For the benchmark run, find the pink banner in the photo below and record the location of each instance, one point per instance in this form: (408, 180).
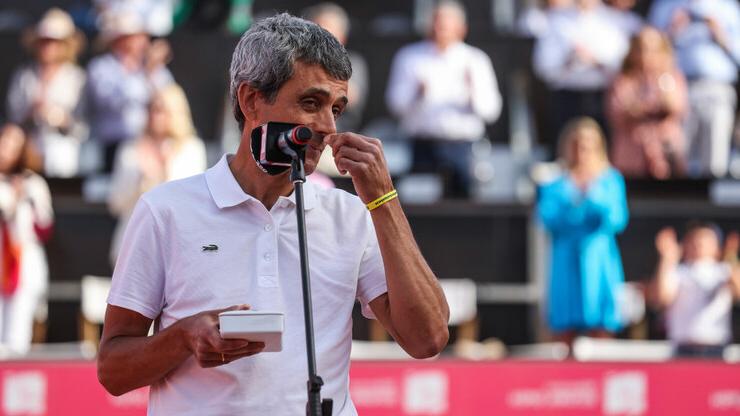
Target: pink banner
(442, 387)
(545, 388)
(62, 389)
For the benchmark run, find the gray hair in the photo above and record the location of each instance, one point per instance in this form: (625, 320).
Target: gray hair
(265, 55)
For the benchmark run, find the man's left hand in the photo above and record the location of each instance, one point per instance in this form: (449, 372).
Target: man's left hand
(362, 157)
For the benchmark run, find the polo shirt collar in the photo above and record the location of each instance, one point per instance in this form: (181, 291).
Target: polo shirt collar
(222, 184)
(309, 196)
(226, 191)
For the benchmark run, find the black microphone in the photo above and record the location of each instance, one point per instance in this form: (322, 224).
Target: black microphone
(294, 141)
(275, 145)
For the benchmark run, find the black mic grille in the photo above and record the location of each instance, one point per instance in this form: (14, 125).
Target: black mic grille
(301, 135)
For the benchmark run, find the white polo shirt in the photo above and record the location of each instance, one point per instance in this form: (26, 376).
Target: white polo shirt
(461, 92)
(163, 271)
(702, 311)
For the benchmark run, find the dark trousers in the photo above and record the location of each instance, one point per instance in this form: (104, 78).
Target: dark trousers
(565, 105)
(451, 159)
(109, 156)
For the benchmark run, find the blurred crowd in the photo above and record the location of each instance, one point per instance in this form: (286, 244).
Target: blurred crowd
(696, 281)
(629, 96)
(664, 88)
(633, 97)
(124, 115)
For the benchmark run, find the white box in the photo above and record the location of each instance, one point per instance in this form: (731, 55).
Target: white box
(258, 326)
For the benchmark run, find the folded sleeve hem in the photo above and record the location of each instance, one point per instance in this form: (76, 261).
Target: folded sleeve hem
(369, 296)
(132, 304)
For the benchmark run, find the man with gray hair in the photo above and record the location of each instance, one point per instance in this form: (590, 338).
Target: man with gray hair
(228, 237)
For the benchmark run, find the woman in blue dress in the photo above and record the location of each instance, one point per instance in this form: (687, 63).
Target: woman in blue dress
(583, 211)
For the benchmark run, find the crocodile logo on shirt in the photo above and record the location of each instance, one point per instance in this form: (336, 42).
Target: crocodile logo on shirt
(210, 247)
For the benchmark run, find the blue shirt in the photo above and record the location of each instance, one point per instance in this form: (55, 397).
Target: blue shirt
(699, 55)
(117, 101)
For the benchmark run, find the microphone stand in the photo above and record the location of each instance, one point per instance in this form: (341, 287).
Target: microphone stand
(315, 406)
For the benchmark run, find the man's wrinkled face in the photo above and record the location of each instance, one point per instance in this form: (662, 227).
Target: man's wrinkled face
(311, 97)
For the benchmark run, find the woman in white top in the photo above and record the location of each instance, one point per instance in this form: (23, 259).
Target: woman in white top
(697, 288)
(168, 150)
(43, 95)
(26, 218)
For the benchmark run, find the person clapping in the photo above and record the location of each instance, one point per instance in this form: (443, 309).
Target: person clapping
(584, 210)
(43, 94)
(696, 287)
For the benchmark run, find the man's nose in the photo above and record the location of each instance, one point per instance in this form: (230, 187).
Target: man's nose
(324, 124)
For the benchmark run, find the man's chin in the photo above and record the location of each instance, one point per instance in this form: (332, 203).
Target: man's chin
(312, 160)
(310, 166)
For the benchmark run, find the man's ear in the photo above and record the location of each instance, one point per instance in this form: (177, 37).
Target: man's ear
(247, 97)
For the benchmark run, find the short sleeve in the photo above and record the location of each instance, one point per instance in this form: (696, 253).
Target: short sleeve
(371, 282)
(138, 278)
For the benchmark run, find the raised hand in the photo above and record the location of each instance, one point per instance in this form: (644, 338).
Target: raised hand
(731, 248)
(583, 55)
(734, 281)
(206, 344)
(667, 245)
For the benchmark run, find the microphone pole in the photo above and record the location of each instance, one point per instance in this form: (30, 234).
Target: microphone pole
(315, 406)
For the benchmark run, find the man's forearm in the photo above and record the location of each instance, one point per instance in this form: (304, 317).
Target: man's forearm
(126, 363)
(735, 281)
(417, 307)
(665, 286)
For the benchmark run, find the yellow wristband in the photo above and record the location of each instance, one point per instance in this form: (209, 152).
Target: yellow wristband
(382, 200)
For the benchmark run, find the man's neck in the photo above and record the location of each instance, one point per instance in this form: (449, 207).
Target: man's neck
(267, 189)
(443, 46)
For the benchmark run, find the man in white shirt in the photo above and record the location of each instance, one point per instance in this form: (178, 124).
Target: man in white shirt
(195, 246)
(697, 289)
(577, 58)
(444, 92)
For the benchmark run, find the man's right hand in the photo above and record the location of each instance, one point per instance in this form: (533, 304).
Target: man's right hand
(667, 245)
(209, 349)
